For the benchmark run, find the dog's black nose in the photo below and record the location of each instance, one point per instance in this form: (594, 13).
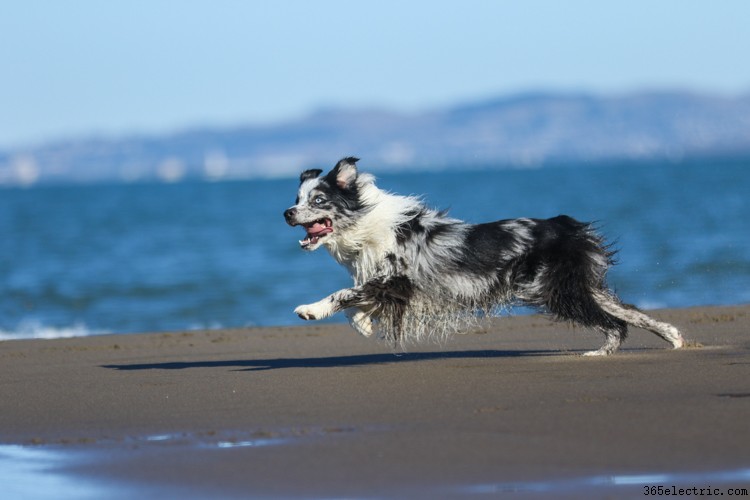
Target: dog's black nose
(289, 215)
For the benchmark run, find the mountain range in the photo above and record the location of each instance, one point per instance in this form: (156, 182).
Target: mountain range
(523, 130)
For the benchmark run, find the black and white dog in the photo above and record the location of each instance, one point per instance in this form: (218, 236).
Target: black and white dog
(419, 273)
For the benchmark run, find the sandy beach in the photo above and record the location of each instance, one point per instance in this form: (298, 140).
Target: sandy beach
(317, 411)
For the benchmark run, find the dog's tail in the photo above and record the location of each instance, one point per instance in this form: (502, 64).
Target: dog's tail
(633, 316)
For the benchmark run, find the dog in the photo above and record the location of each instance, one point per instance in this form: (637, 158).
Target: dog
(419, 273)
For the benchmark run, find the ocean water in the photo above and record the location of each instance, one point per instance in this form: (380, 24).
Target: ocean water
(79, 260)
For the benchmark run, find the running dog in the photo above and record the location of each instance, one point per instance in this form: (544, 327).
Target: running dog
(419, 273)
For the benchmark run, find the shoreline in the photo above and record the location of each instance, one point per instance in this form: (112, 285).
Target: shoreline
(316, 410)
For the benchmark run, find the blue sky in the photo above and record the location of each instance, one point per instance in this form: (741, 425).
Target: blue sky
(89, 67)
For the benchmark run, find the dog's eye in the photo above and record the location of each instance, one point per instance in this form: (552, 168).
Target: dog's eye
(318, 200)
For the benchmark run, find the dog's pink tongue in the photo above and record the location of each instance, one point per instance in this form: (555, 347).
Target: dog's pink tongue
(318, 229)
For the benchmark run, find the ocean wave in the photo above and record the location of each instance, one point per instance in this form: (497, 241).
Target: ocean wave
(34, 329)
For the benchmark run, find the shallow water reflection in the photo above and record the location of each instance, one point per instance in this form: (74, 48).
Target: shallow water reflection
(42, 472)
(706, 480)
(32, 472)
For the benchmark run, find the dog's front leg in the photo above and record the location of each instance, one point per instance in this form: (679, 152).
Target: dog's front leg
(389, 295)
(360, 321)
(343, 299)
(327, 306)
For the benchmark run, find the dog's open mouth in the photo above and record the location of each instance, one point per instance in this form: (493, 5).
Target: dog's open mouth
(315, 231)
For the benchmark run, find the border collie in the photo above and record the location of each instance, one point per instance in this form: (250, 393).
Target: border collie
(419, 273)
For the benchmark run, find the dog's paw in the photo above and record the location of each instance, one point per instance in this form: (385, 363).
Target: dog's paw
(362, 323)
(594, 353)
(675, 338)
(318, 310)
(598, 352)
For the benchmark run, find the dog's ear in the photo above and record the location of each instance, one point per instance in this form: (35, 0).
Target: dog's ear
(309, 174)
(345, 172)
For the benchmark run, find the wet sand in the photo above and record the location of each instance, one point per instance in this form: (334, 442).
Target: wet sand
(316, 410)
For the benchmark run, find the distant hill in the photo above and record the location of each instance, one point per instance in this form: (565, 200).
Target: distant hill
(525, 130)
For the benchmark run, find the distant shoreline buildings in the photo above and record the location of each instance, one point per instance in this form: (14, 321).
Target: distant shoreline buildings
(519, 131)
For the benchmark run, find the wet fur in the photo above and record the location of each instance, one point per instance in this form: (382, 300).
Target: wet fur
(419, 273)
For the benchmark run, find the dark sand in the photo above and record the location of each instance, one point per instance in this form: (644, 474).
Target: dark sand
(317, 410)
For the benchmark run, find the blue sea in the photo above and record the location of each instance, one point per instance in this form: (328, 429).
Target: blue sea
(90, 259)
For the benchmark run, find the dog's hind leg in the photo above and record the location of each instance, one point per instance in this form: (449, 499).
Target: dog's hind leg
(633, 316)
(578, 307)
(613, 339)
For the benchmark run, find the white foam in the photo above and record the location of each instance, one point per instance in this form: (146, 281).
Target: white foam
(35, 329)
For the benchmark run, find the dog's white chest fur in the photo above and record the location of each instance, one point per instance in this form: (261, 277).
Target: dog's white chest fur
(363, 248)
(362, 262)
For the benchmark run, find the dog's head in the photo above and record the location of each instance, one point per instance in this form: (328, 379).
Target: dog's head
(326, 205)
